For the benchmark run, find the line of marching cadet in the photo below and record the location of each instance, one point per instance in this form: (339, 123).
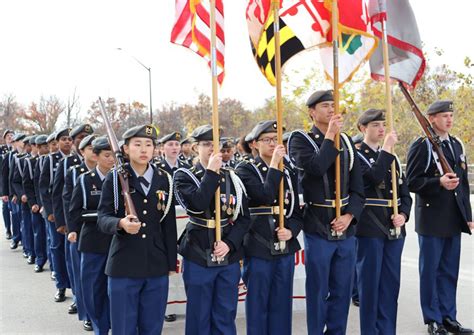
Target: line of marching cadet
(62, 199)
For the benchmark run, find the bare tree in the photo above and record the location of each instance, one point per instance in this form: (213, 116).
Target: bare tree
(41, 117)
(73, 109)
(9, 108)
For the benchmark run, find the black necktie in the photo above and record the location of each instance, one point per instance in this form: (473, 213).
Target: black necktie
(449, 150)
(143, 181)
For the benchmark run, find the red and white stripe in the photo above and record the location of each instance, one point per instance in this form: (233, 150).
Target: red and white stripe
(192, 30)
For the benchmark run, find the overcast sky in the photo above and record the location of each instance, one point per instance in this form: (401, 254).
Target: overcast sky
(54, 46)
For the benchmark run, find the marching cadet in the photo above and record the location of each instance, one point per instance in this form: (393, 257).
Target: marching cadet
(211, 270)
(143, 249)
(30, 185)
(443, 212)
(268, 269)
(92, 244)
(4, 150)
(11, 161)
(170, 161)
(88, 162)
(329, 241)
(187, 154)
(73, 158)
(57, 240)
(379, 249)
(227, 150)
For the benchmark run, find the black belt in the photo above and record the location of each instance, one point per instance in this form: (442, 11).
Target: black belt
(274, 210)
(207, 223)
(331, 203)
(381, 202)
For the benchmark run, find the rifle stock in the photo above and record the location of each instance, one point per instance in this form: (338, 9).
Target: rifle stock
(427, 129)
(123, 174)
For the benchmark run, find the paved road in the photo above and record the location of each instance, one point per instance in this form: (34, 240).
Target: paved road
(27, 306)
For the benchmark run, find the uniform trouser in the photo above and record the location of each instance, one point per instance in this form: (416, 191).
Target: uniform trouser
(48, 243)
(6, 217)
(58, 256)
(27, 238)
(212, 296)
(39, 238)
(378, 269)
(355, 287)
(16, 222)
(94, 290)
(329, 276)
(439, 269)
(269, 300)
(75, 278)
(137, 306)
(69, 266)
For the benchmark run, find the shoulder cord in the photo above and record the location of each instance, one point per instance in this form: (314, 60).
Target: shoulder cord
(349, 148)
(178, 196)
(170, 195)
(84, 196)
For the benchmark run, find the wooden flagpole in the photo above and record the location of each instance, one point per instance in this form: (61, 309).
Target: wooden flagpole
(389, 118)
(337, 141)
(215, 112)
(276, 36)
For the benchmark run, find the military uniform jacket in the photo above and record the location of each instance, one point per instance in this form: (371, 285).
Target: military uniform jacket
(262, 184)
(186, 160)
(6, 164)
(83, 214)
(317, 172)
(376, 171)
(195, 191)
(438, 212)
(152, 252)
(48, 170)
(70, 181)
(17, 175)
(59, 186)
(163, 164)
(28, 180)
(230, 164)
(36, 177)
(4, 150)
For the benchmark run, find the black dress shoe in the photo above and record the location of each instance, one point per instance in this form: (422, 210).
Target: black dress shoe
(8, 235)
(170, 317)
(53, 276)
(87, 326)
(13, 245)
(72, 309)
(31, 260)
(455, 327)
(38, 268)
(60, 295)
(435, 328)
(25, 255)
(355, 302)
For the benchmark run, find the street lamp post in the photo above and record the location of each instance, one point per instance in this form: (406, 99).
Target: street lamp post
(149, 82)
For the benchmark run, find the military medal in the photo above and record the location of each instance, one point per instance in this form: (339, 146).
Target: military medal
(159, 194)
(230, 210)
(223, 199)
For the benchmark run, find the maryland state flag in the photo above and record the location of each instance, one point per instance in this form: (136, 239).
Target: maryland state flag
(306, 24)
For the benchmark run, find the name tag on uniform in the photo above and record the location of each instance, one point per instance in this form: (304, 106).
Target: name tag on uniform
(371, 160)
(96, 192)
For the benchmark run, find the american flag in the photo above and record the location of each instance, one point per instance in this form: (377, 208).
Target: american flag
(192, 30)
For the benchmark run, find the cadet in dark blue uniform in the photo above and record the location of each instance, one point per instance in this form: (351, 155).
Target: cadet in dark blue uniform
(4, 150)
(211, 286)
(30, 185)
(88, 162)
(329, 241)
(143, 249)
(92, 244)
(186, 155)
(268, 270)
(380, 249)
(57, 248)
(443, 211)
(170, 161)
(227, 150)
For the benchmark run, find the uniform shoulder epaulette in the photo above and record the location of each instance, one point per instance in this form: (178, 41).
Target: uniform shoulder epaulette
(162, 171)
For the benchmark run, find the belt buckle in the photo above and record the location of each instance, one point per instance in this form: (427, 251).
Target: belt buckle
(211, 223)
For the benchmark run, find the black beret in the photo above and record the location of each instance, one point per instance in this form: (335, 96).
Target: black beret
(8, 131)
(249, 137)
(187, 140)
(371, 115)
(41, 139)
(101, 143)
(440, 106)
(226, 142)
(202, 133)
(27, 139)
(83, 128)
(86, 141)
(319, 96)
(264, 127)
(147, 131)
(19, 137)
(33, 139)
(51, 137)
(62, 132)
(357, 138)
(175, 136)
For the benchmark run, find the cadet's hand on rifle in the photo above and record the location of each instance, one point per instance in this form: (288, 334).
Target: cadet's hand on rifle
(24, 198)
(14, 199)
(342, 222)
(51, 218)
(284, 234)
(72, 237)
(334, 127)
(221, 249)
(130, 224)
(5, 198)
(389, 142)
(35, 208)
(62, 230)
(215, 162)
(398, 220)
(278, 154)
(449, 181)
